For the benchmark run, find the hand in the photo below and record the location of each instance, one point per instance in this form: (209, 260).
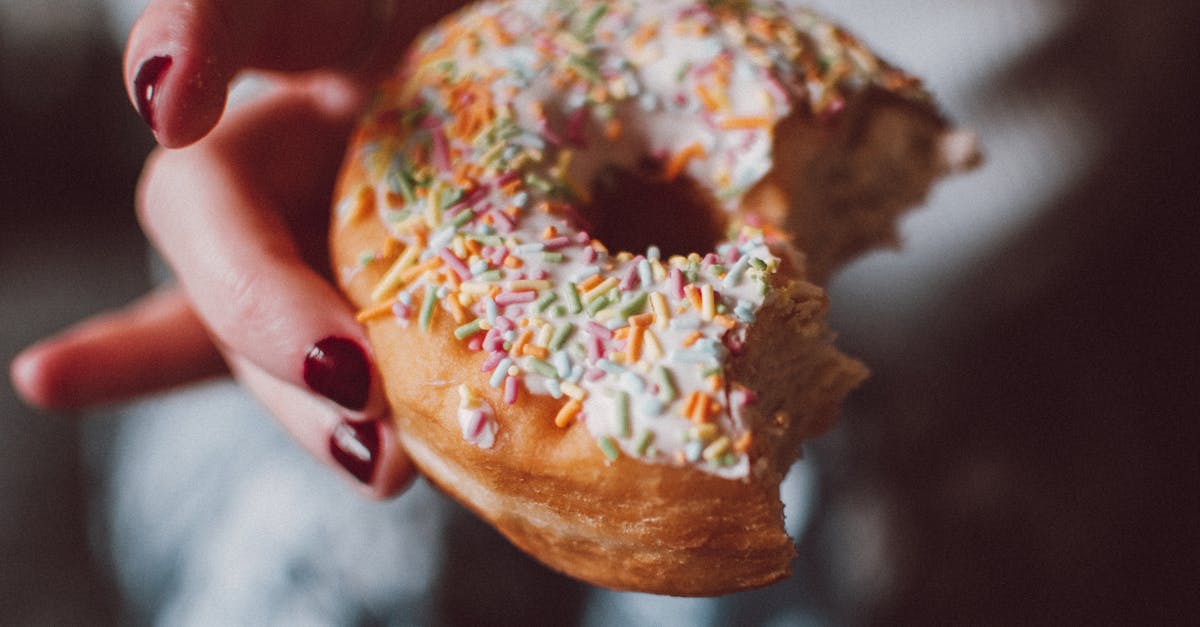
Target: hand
(240, 212)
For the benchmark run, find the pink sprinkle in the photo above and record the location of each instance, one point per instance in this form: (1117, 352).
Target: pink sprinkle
(599, 330)
(498, 255)
(594, 374)
(631, 277)
(476, 423)
(455, 263)
(493, 341)
(441, 151)
(555, 243)
(676, 282)
(582, 237)
(510, 389)
(504, 223)
(504, 324)
(595, 348)
(710, 259)
(589, 255)
(476, 342)
(733, 255)
(539, 275)
(507, 178)
(504, 299)
(401, 310)
(575, 127)
(492, 360)
(430, 122)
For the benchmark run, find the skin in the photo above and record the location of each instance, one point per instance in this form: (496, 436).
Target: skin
(237, 201)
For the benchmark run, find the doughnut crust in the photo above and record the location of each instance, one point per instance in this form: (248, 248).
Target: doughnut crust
(625, 418)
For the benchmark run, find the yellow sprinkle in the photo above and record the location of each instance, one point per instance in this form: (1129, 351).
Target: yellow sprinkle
(574, 391)
(567, 414)
(543, 335)
(717, 448)
(525, 285)
(708, 308)
(391, 279)
(599, 290)
(467, 397)
(653, 348)
(705, 432)
(660, 271)
(662, 313)
(474, 288)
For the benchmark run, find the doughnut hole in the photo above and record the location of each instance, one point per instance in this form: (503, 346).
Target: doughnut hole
(631, 210)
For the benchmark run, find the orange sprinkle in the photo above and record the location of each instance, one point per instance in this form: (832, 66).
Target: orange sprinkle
(689, 407)
(550, 232)
(693, 295)
(456, 309)
(635, 343)
(415, 271)
(534, 350)
(473, 247)
(742, 444)
(513, 262)
(621, 333)
(692, 337)
(590, 282)
(744, 122)
(679, 161)
(702, 411)
(391, 248)
(567, 414)
(522, 340)
(645, 34)
(642, 320)
(724, 321)
(377, 311)
(715, 382)
(613, 129)
(707, 98)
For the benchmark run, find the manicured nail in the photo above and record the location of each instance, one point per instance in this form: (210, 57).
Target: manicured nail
(355, 445)
(337, 368)
(145, 86)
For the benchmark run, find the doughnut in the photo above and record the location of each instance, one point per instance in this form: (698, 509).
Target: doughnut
(587, 241)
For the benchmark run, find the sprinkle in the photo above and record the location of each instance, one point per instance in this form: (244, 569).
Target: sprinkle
(736, 272)
(409, 274)
(543, 368)
(468, 329)
(691, 338)
(545, 301)
(522, 340)
(566, 414)
(391, 279)
(561, 334)
(716, 449)
(623, 423)
(378, 311)
(641, 320)
(634, 348)
(745, 123)
(510, 390)
(634, 306)
(573, 303)
(662, 313)
(521, 285)
(693, 451)
(596, 305)
(455, 263)
(676, 282)
(708, 306)
(609, 447)
(653, 347)
(427, 307)
(666, 385)
(491, 309)
(515, 298)
(630, 279)
(597, 290)
(742, 444)
(574, 391)
(500, 372)
(644, 440)
(679, 161)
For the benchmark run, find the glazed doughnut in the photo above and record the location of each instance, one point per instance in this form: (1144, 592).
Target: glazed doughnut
(584, 237)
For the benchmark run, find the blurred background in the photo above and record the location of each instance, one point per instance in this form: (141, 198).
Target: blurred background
(1027, 450)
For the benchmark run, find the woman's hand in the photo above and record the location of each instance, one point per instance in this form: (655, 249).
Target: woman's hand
(241, 215)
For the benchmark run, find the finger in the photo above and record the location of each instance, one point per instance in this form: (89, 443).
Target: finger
(154, 344)
(366, 451)
(181, 56)
(211, 212)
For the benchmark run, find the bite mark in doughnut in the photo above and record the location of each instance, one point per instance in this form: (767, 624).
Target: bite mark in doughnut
(569, 226)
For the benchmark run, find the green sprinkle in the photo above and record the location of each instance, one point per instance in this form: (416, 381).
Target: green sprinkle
(623, 421)
(399, 183)
(644, 439)
(543, 368)
(593, 18)
(717, 269)
(561, 335)
(560, 310)
(490, 275)
(467, 330)
(427, 307)
(552, 257)
(366, 257)
(635, 306)
(574, 305)
(609, 447)
(728, 459)
(595, 306)
(758, 264)
(666, 385)
(545, 301)
(462, 218)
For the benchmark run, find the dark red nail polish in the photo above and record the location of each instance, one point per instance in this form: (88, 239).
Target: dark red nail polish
(337, 368)
(145, 86)
(355, 445)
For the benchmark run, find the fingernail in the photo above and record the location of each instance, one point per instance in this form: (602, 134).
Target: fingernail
(337, 368)
(145, 86)
(355, 445)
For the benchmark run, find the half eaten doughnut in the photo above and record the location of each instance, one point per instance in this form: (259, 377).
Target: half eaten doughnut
(582, 236)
